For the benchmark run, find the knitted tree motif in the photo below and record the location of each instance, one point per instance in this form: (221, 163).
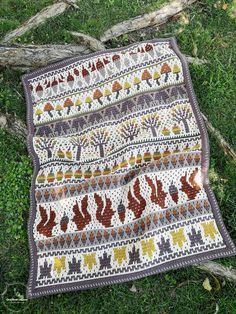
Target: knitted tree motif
(81, 142)
(182, 114)
(100, 139)
(47, 144)
(151, 122)
(129, 130)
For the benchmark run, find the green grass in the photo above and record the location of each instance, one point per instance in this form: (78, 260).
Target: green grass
(208, 34)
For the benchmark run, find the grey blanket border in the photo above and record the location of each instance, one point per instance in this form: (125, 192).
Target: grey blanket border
(229, 250)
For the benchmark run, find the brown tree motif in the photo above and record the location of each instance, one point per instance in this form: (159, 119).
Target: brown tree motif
(47, 144)
(129, 130)
(151, 122)
(182, 114)
(104, 211)
(81, 142)
(46, 223)
(82, 217)
(100, 139)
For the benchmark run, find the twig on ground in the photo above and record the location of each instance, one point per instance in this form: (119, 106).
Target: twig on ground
(222, 142)
(14, 125)
(196, 60)
(88, 41)
(218, 270)
(38, 19)
(157, 17)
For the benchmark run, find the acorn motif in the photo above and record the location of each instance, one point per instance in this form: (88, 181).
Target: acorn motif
(64, 222)
(132, 160)
(88, 174)
(139, 158)
(147, 156)
(97, 172)
(41, 178)
(106, 170)
(121, 211)
(59, 175)
(68, 174)
(156, 155)
(174, 192)
(51, 176)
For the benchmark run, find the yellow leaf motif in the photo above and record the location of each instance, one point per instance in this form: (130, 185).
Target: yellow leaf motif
(59, 264)
(148, 247)
(178, 237)
(120, 254)
(90, 260)
(209, 229)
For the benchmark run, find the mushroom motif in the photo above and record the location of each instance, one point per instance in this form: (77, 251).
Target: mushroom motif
(88, 101)
(100, 67)
(116, 87)
(107, 94)
(137, 82)
(146, 76)
(38, 113)
(48, 108)
(58, 108)
(39, 90)
(54, 85)
(70, 80)
(127, 87)
(149, 49)
(156, 77)
(78, 104)
(165, 69)
(116, 60)
(68, 104)
(176, 71)
(97, 95)
(85, 74)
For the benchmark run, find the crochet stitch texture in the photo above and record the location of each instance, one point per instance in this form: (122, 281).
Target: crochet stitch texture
(120, 186)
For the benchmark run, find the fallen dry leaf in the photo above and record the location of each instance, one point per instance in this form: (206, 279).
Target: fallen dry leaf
(206, 284)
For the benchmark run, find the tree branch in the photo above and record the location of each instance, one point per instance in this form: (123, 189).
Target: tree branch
(34, 56)
(221, 141)
(157, 17)
(14, 125)
(88, 41)
(38, 19)
(218, 270)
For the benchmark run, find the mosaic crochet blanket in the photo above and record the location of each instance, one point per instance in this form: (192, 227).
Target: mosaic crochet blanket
(120, 187)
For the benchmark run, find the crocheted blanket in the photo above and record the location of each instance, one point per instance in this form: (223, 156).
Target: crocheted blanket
(120, 186)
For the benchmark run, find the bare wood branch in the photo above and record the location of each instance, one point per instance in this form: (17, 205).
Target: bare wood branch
(33, 56)
(196, 60)
(150, 19)
(14, 125)
(72, 3)
(88, 41)
(27, 57)
(38, 19)
(218, 270)
(222, 142)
